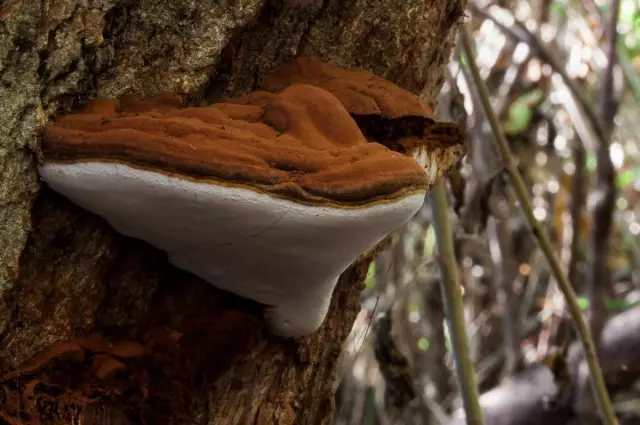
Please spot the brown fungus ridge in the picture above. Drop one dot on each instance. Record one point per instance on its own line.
(361, 92)
(382, 110)
(300, 143)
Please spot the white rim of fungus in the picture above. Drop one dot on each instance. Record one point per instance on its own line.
(281, 253)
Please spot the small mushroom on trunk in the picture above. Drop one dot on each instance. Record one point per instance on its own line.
(270, 196)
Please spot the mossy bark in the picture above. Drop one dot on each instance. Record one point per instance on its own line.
(96, 326)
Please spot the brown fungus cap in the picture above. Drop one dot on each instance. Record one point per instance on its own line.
(384, 112)
(361, 92)
(299, 143)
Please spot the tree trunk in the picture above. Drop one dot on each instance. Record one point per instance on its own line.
(98, 328)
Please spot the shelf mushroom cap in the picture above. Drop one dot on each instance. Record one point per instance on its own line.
(384, 112)
(361, 92)
(270, 198)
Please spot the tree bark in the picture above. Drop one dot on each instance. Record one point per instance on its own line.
(96, 327)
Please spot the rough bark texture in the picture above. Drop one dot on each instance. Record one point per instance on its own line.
(95, 326)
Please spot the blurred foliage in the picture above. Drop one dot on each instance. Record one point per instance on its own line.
(630, 21)
(515, 316)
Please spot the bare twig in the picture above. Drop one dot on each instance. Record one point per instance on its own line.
(604, 194)
(553, 328)
(578, 201)
(504, 273)
(597, 379)
(437, 353)
(452, 296)
(608, 105)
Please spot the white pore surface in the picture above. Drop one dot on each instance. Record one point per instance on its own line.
(278, 252)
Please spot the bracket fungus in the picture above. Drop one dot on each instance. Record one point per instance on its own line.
(271, 195)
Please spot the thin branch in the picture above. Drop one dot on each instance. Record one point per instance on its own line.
(608, 105)
(505, 270)
(599, 278)
(452, 296)
(578, 202)
(561, 326)
(597, 379)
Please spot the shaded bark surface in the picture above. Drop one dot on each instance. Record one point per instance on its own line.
(98, 328)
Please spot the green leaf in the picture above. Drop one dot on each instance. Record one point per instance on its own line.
(591, 163)
(429, 241)
(423, 344)
(558, 9)
(413, 307)
(447, 337)
(613, 304)
(583, 303)
(521, 112)
(627, 177)
(370, 408)
(370, 280)
(519, 118)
